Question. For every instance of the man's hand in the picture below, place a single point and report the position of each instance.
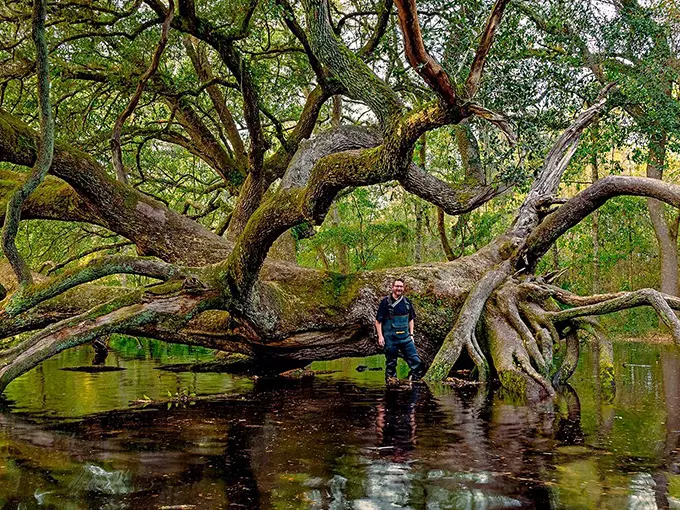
(413, 339)
(381, 341)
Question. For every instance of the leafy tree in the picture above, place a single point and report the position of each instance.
(224, 140)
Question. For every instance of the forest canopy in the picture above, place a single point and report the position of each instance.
(250, 175)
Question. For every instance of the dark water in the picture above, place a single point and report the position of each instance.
(70, 440)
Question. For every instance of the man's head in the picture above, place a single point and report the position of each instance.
(397, 287)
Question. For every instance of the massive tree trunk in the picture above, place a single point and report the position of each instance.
(293, 315)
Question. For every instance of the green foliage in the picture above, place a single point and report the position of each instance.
(538, 74)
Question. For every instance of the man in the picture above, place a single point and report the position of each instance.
(394, 322)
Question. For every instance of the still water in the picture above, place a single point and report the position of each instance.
(71, 440)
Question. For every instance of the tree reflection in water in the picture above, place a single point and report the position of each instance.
(337, 443)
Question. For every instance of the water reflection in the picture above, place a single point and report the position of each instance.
(341, 441)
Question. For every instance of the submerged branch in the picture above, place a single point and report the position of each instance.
(463, 332)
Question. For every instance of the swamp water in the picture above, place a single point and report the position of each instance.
(70, 440)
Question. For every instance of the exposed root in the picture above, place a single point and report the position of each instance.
(507, 298)
(543, 329)
(463, 332)
(510, 357)
(525, 311)
(662, 303)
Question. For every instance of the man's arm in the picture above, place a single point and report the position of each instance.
(381, 339)
(411, 325)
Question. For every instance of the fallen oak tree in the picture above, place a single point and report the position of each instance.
(227, 295)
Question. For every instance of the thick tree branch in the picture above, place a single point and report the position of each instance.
(589, 200)
(329, 175)
(295, 28)
(424, 64)
(32, 295)
(52, 200)
(155, 229)
(545, 186)
(454, 200)
(473, 80)
(359, 80)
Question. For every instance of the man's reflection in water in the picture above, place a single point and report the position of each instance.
(392, 478)
(396, 420)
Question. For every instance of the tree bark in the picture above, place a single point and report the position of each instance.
(155, 229)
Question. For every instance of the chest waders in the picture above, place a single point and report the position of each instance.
(398, 340)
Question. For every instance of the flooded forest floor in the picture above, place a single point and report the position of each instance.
(71, 439)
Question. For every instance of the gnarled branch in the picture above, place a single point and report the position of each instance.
(589, 200)
(473, 79)
(45, 150)
(359, 80)
(30, 296)
(424, 64)
(117, 156)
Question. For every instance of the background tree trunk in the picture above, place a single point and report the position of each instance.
(418, 251)
(666, 234)
(418, 256)
(595, 230)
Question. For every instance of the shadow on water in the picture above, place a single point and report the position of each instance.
(341, 441)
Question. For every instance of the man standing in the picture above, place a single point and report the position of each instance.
(394, 322)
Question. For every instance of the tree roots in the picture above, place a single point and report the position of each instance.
(533, 329)
(463, 332)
